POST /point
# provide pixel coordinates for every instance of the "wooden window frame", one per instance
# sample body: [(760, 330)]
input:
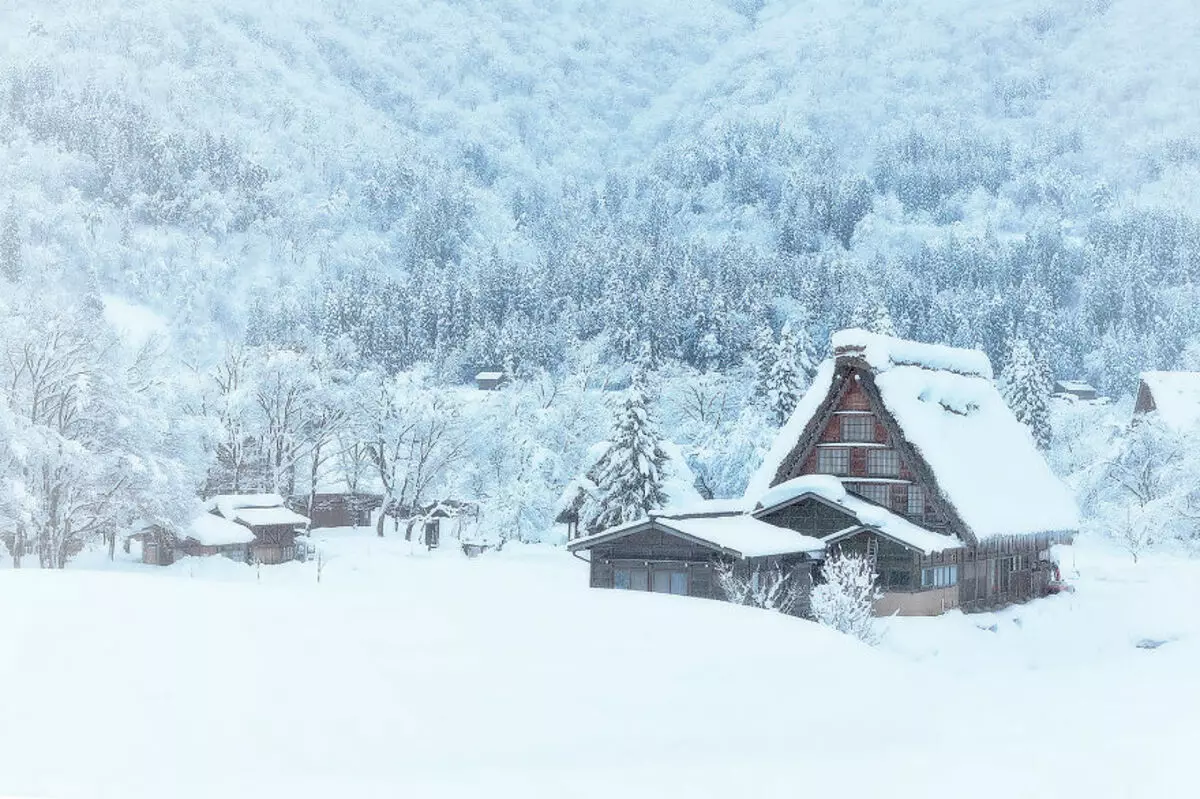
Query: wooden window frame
[(850, 421), (830, 452), (892, 458)]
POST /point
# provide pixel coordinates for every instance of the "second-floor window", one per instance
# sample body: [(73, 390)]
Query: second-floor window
[(858, 427), (833, 460), (883, 463)]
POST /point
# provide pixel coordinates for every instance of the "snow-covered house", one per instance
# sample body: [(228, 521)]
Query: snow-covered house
[(205, 534), (1076, 389), (274, 526), (490, 380), (903, 452), (1173, 398)]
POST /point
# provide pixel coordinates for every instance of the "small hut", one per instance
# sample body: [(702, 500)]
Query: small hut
[(490, 380)]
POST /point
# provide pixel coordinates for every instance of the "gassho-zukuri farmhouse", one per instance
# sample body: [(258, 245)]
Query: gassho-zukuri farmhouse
[(900, 451)]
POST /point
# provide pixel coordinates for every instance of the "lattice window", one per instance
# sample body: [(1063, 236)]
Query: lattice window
[(833, 460), (876, 492), (883, 463), (916, 501), (858, 427)]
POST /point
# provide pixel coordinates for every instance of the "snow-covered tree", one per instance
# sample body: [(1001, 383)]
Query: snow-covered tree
[(629, 475), (871, 314), (762, 358), (1026, 389), (416, 437), (785, 384), (844, 598)]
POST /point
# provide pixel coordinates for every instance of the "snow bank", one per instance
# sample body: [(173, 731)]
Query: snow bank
[(884, 352), (1176, 398), (211, 530)]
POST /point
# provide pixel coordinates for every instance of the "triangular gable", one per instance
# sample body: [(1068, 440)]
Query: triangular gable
[(851, 375), (951, 432)]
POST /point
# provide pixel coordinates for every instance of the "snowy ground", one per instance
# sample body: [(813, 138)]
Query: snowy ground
[(409, 674)]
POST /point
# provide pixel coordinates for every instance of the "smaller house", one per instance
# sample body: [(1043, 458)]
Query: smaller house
[(448, 516), (490, 380), (337, 509), (206, 534), (681, 554), (1173, 397), (1076, 388), (274, 525)]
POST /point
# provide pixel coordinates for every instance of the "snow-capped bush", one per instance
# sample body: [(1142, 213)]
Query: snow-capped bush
[(845, 599)]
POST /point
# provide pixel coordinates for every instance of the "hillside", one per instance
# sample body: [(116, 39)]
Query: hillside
[(283, 151)]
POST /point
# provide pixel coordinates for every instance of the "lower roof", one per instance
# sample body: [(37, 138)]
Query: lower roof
[(741, 535)]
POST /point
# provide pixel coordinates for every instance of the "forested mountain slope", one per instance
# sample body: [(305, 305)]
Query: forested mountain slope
[(485, 182)]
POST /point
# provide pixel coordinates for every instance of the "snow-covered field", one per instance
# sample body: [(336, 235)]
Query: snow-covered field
[(408, 674)]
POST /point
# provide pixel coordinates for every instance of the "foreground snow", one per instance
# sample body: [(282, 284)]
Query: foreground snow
[(404, 673)]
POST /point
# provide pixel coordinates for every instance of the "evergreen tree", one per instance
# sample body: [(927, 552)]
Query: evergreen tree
[(1027, 391), (785, 384), (807, 357), (10, 244), (629, 475), (762, 358), (871, 314)]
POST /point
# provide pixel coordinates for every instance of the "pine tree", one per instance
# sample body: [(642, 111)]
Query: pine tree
[(629, 475), (785, 384), (10, 244), (872, 314), (762, 358), (1027, 391), (807, 357)]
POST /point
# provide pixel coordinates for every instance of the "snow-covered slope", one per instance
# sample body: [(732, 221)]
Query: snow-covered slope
[(440, 676)]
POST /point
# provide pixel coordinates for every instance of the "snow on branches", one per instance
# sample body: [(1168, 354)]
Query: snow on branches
[(845, 598)]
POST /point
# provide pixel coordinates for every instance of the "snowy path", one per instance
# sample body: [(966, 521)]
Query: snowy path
[(420, 676)]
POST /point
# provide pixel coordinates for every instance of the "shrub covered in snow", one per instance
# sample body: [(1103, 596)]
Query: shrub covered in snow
[(767, 588), (845, 599)]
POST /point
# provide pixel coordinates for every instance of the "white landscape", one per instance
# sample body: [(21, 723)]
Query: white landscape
[(356, 355), (403, 673)]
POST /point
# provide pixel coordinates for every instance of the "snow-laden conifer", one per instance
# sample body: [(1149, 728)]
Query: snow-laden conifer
[(629, 475), (1026, 388)]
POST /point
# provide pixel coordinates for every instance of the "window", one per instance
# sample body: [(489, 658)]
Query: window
[(880, 493), (916, 501), (679, 583), (883, 463), (833, 460), (939, 576), (858, 427), (670, 582), (631, 579)]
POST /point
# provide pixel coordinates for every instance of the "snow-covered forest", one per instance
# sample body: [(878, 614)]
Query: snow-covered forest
[(267, 245)]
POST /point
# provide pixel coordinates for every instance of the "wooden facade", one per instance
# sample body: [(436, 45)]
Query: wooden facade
[(655, 558), (337, 510), (855, 438)]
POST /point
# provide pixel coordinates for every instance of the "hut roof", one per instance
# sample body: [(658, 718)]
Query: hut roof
[(256, 510), (211, 530)]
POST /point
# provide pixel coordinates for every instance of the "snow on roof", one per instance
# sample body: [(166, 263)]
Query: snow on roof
[(984, 461), (868, 513), (222, 501), (1075, 385), (745, 535), (705, 507), (786, 440), (490, 376), (1176, 397), (211, 530), (269, 517), (884, 352), (256, 510), (739, 534), (948, 409)]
